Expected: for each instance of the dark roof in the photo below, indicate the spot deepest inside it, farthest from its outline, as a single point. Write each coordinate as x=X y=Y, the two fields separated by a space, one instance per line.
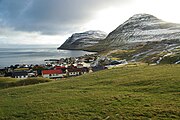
x=2 y=68
x=19 y=73
x=78 y=69
x=97 y=68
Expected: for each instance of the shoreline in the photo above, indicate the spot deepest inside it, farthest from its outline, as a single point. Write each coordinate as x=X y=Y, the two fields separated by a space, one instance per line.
x=78 y=50
x=35 y=56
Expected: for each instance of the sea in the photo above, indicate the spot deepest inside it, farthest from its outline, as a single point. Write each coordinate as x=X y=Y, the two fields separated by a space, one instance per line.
x=13 y=56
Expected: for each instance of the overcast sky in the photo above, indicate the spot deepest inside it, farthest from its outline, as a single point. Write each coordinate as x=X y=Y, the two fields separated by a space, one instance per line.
x=52 y=21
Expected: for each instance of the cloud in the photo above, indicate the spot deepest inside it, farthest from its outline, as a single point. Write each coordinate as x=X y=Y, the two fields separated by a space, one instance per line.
x=52 y=21
x=10 y=36
x=50 y=16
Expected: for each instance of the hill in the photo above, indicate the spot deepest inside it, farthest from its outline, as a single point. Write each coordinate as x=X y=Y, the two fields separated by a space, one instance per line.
x=80 y=41
x=129 y=92
x=158 y=52
x=6 y=82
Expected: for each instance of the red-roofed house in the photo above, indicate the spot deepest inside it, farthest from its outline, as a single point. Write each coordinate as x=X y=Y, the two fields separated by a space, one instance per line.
x=63 y=68
x=53 y=74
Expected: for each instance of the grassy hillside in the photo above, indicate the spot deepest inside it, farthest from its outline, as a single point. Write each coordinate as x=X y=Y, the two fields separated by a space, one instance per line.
x=141 y=92
x=161 y=52
x=14 y=82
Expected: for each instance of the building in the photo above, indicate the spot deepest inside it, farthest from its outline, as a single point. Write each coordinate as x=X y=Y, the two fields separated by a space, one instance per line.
x=2 y=72
x=98 y=68
x=63 y=68
x=77 y=71
x=20 y=74
x=79 y=65
x=53 y=74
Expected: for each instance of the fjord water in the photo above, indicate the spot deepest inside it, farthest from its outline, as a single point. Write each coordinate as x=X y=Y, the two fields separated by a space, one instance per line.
x=12 y=56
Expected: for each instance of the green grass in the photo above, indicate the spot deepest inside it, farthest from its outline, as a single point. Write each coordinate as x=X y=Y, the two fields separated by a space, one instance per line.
x=142 y=92
x=13 y=82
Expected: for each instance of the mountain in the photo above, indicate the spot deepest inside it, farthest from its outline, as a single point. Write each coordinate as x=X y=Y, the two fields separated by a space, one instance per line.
x=140 y=28
x=80 y=41
x=145 y=38
x=153 y=52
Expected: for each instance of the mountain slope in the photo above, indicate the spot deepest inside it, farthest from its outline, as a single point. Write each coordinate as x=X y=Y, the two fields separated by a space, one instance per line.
x=158 y=52
x=140 y=28
x=141 y=92
x=82 y=40
x=144 y=38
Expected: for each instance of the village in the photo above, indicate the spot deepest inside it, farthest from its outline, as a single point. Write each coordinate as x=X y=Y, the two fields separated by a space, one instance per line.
x=61 y=68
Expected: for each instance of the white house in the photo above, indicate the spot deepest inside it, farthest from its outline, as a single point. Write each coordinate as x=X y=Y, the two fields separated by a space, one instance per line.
x=53 y=74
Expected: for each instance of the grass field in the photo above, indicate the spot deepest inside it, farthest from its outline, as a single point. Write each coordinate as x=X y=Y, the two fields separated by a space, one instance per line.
x=138 y=92
x=6 y=82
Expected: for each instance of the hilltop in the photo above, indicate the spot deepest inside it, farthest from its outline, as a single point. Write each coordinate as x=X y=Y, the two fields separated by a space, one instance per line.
x=80 y=41
x=129 y=92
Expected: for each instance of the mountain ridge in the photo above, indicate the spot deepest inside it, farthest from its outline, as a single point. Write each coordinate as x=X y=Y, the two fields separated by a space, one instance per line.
x=151 y=39
x=79 y=41
x=140 y=28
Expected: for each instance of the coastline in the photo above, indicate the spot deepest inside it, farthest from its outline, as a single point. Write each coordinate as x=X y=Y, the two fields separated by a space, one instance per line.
x=77 y=49
x=35 y=55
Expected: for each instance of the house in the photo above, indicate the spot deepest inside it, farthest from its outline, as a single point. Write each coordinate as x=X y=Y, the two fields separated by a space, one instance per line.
x=98 y=68
x=88 y=60
x=20 y=74
x=53 y=74
x=63 y=68
x=116 y=63
x=38 y=69
x=84 y=70
x=2 y=72
x=79 y=65
x=77 y=71
x=32 y=73
x=73 y=71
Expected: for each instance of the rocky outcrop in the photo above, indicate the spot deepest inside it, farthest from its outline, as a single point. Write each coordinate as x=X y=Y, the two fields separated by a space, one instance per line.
x=80 y=41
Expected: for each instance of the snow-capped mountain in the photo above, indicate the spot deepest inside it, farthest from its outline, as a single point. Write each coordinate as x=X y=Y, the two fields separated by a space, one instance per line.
x=79 y=41
x=141 y=28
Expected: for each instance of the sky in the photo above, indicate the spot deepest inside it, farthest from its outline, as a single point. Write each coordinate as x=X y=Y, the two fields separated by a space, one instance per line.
x=51 y=22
